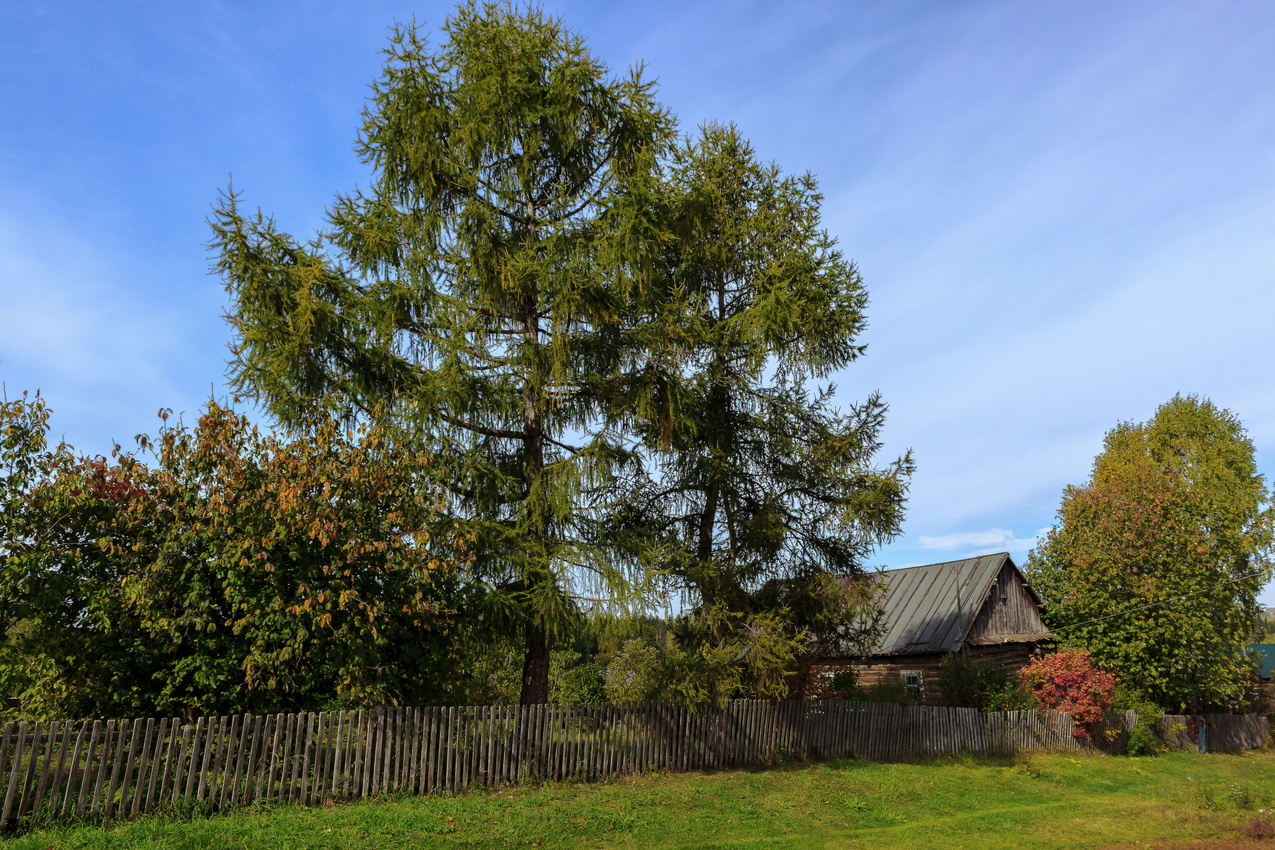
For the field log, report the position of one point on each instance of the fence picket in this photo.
(132, 766)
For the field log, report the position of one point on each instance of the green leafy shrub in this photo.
(981, 685)
(891, 689)
(1148, 737)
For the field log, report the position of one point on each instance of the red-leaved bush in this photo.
(1068, 681)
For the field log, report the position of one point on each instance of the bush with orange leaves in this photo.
(1067, 681)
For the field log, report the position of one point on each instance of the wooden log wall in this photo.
(124, 768)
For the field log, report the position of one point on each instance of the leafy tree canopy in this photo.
(1155, 563)
(237, 571)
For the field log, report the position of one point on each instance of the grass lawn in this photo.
(1040, 801)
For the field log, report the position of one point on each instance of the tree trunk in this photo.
(535, 669)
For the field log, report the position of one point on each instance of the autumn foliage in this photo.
(1068, 681)
(1156, 562)
(221, 569)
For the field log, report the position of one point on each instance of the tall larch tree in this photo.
(479, 289)
(761, 494)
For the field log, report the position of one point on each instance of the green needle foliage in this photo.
(480, 288)
(1156, 562)
(760, 491)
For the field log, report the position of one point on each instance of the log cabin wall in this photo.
(879, 670)
(1009, 609)
(1012, 655)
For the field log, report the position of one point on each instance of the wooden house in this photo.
(981, 608)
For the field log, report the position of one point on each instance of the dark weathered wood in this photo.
(304, 785)
(159, 759)
(44, 774)
(86, 776)
(170, 765)
(212, 741)
(288, 758)
(126, 778)
(143, 762)
(326, 780)
(367, 743)
(103, 760)
(226, 777)
(33, 758)
(301, 724)
(390, 744)
(190, 760)
(18, 748)
(248, 763)
(341, 754)
(68, 796)
(55, 796)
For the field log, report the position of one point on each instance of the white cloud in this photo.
(994, 538)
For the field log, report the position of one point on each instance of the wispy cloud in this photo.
(999, 538)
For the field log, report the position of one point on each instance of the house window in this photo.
(912, 680)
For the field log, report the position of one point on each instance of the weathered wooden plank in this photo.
(212, 743)
(86, 775)
(355, 757)
(303, 785)
(287, 756)
(244, 790)
(319, 771)
(44, 773)
(490, 745)
(148, 732)
(264, 762)
(505, 762)
(73, 769)
(341, 754)
(5, 764)
(390, 746)
(122, 799)
(387, 754)
(190, 765)
(371, 747)
(55, 795)
(451, 757)
(298, 752)
(28, 778)
(375, 745)
(292, 772)
(402, 751)
(429, 752)
(103, 760)
(322, 758)
(185, 769)
(168, 732)
(466, 747)
(18, 748)
(234, 747)
(447, 767)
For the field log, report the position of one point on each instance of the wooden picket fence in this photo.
(124, 768)
(1222, 732)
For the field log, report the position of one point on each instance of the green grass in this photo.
(1044, 801)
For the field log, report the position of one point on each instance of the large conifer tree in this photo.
(761, 493)
(479, 286)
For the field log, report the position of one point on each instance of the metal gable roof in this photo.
(930, 608)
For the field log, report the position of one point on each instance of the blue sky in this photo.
(1064, 212)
